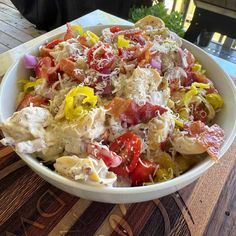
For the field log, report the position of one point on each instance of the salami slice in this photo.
(209, 137)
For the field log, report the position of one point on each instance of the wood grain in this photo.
(70, 218)
(223, 218)
(207, 190)
(16, 189)
(23, 26)
(91, 219)
(8, 3)
(38, 216)
(14, 32)
(14, 29)
(3, 48)
(8, 41)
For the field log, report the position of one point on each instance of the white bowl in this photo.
(226, 119)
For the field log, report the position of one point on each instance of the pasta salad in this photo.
(128, 107)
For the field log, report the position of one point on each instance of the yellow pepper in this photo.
(179, 123)
(166, 161)
(30, 84)
(73, 109)
(93, 37)
(215, 100)
(194, 91)
(78, 28)
(184, 113)
(183, 163)
(122, 42)
(164, 174)
(197, 67)
(189, 95)
(200, 85)
(21, 83)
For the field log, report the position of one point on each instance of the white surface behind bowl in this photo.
(226, 119)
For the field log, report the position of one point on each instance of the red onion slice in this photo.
(30, 61)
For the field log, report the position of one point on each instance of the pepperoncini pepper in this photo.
(79, 101)
(200, 85)
(93, 37)
(122, 42)
(194, 91)
(215, 100)
(188, 96)
(78, 28)
(167, 168)
(30, 84)
(198, 68)
(179, 123)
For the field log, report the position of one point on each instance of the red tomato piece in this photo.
(100, 56)
(69, 32)
(110, 158)
(44, 63)
(46, 69)
(128, 147)
(69, 67)
(36, 100)
(53, 43)
(131, 32)
(115, 29)
(143, 172)
(83, 41)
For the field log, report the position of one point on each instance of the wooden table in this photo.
(31, 206)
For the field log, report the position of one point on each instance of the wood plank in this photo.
(206, 192)
(20, 24)
(215, 2)
(222, 221)
(15, 33)
(14, 13)
(8, 3)
(16, 189)
(38, 216)
(3, 48)
(9, 10)
(69, 219)
(8, 41)
(231, 4)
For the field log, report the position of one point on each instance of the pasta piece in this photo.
(87, 170)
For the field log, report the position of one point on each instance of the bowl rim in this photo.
(180, 180)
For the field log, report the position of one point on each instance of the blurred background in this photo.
(208, 23)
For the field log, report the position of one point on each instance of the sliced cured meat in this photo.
(210, 138)
(130, 113)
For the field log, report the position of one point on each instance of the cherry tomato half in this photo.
(115, 29)
(128, 147)
(143, 172)
(53, 43)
